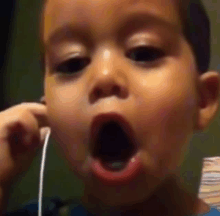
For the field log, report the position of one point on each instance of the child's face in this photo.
(157, 95)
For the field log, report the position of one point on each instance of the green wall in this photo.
(25, 83)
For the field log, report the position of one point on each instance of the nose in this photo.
(108, 77)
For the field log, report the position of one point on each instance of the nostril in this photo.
(108, 91)
(98, 93)
(116, 90)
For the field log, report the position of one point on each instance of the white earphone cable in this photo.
(42, 173)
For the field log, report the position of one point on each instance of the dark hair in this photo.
(196, 29)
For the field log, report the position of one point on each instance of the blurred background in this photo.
(22, 80)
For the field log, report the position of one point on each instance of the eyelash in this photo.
(138, 54)
(152, 54)
(74, 64)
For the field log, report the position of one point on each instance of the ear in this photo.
(209, 84)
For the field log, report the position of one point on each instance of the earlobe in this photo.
(209, 86)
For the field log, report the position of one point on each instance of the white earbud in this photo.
(42, 173)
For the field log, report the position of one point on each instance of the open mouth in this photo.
(113, 146)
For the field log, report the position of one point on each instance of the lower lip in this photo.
(126, 175)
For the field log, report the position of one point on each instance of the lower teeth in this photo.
(117, 165)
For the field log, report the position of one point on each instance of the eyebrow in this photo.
(142, 19)
(129, 23)
(68, 31)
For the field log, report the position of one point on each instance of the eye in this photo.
(145, 54)
(72, 65)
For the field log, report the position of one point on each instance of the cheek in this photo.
(166, 123)
(69, 121)
(70, 137)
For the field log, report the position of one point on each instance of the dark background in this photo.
(6, 15)
(21, 80)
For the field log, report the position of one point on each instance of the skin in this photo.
(165, 100)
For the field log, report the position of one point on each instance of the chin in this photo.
(121, 196)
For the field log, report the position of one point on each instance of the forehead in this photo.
(99, 13)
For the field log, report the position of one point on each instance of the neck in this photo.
(170, 199)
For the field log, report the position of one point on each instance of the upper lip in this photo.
(101, 119)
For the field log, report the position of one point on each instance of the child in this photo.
(126, 86)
